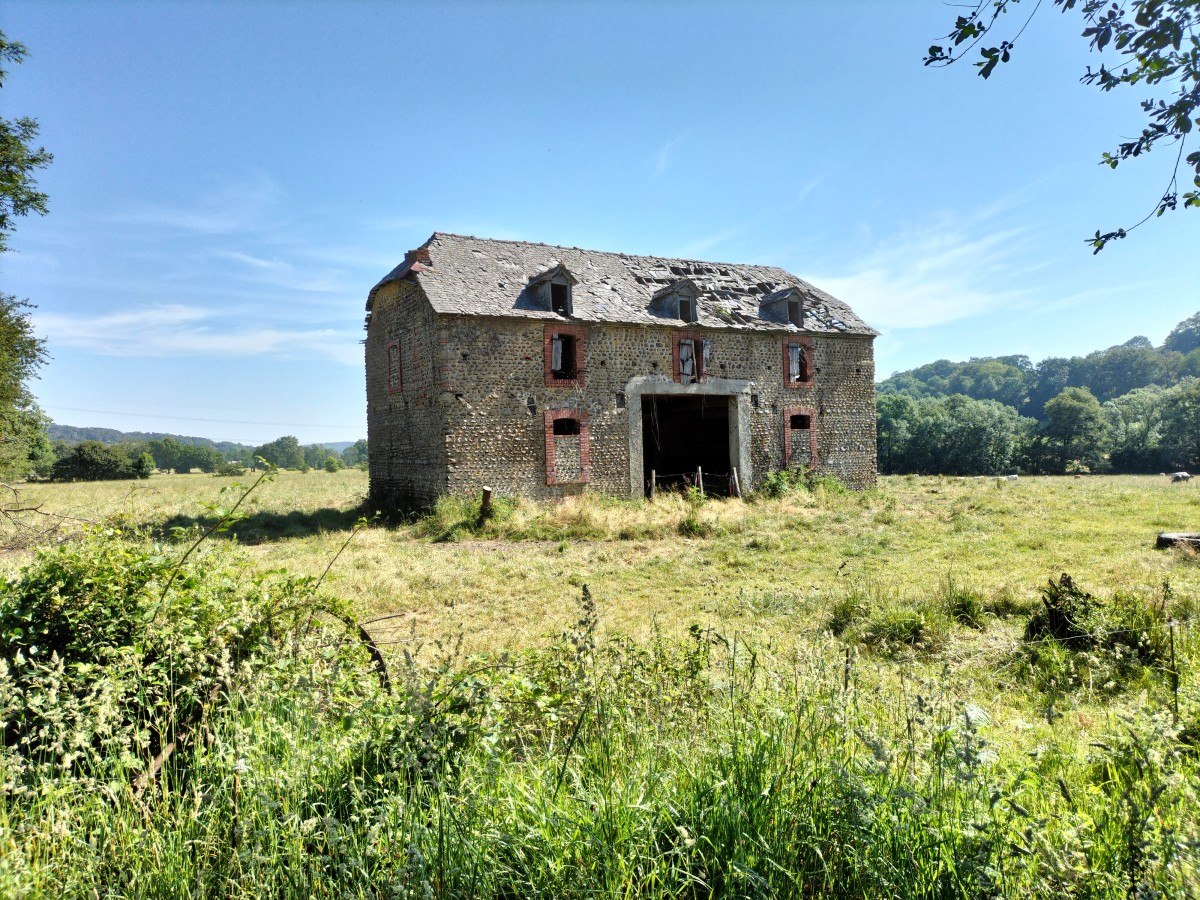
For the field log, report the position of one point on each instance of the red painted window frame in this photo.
(585, 460)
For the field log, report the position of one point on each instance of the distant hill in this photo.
(74, 434)
(1018, 382)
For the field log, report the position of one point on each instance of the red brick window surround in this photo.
(797, 362)
(691, 356)
(564, 348)
(799, 434)
(568, 457)
(395, 371)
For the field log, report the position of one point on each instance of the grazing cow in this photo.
(1180, 476)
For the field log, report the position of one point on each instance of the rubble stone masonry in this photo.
(477, 405)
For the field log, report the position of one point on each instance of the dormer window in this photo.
(552, 290)
(785, 306)
(676, 301)
(560, 298)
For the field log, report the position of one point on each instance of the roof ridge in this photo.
(617, 253)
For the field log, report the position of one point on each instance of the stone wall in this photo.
(405, 436)
(477, 405)
(497, 430)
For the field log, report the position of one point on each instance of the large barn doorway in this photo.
(683, 434)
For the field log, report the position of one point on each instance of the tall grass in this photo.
(875, 735)
(703, 768)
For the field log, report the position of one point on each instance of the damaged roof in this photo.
(478, 276)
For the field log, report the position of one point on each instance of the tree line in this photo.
(1131, 408)
(92, 460)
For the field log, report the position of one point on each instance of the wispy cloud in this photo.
(933, 275)
(663, 158)
(232, 207)
(283, 273)
(173, 329)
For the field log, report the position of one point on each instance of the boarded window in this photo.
(560, 298)
(566, 426)
(800, 422)
(395, 380)
(562, 356)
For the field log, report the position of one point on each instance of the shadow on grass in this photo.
(261, 527)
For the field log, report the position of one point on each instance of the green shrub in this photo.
(94, 461)
(781, 482)
(112, 649)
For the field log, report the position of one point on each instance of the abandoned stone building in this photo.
(545, 371)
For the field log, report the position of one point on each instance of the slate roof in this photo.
(478, 276)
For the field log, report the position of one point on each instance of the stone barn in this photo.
(546, 371)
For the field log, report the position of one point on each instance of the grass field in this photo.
(769, 566)
(753, 678)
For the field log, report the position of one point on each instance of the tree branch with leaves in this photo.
(1157, 45)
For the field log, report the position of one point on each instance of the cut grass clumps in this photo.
(962, 603)
(880, 619)
(1079, 640)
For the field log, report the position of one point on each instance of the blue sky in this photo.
(231, 178)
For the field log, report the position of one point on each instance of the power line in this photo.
(114, 412)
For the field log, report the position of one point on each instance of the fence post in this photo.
(737, 487)
(700, 479)
(1174, 674)
(485, 503)
(653, 483)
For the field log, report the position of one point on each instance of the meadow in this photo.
(886, 693)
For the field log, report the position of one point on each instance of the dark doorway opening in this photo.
(681, 434)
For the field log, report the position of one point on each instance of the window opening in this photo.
(566, 427)
(562, 356)
(395, 379)
(687, 309)
(687, 361)
(560, 298)
(800, 422)
(795, 313)
(798, 363)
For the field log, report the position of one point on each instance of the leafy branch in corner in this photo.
(1158, 45)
